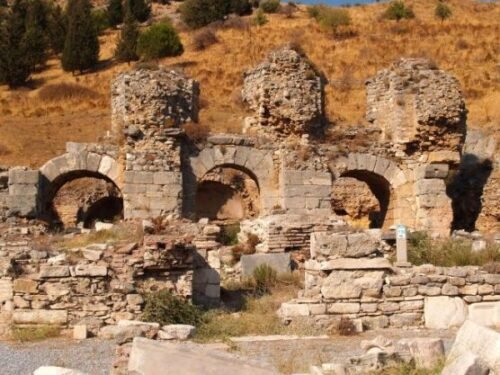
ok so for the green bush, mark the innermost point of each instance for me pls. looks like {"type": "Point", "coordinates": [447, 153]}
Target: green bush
{"type": "Point", "coordinates": [260, 18]}
{"type": "Point", "coordinates": [398, 10]}
{"type": "Point", "coordinates": [265, 278]}
{"type": "Point", "coordinates": [443, 11]}
{"type": "Point", "coordinates": [164, 308]}
{"type": "Point", "coordinates": [199, 13]}
{"type": "Point", "coordinates": [228, 235]}
{"type": "Point", "coordinates": [101, 20]}
{"type": "Point", "coordinates": [160, 40]}
{"type": "Point", "coordinates": [333, 18]}
{"type": "Point", "coordinates": [269, 6]}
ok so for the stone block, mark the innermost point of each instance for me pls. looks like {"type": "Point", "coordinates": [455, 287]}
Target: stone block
{"type": "Point", "coordinates": [324, 244]}
{"type": "Point", "coordinates": [444, 312]}
{"type": "Point", "coordinates": [149, 357]}
{"type": "Point", "coordinates": [485, 313]}
{"type": "Point", "coordinates": [80, 332]}
{"type": "Point", "coordinates": [54, 271]}
{"type": "Point", "coordinates": [206, 276]}
{"type": "Point", "coordinates": [21, 176]}
{"type": "Point", "coordinates": [40, 316]}
{"type": "Point", "coordinates": [6, 291]}
{"type": "Point", "coordinates": [176, 332]}
{"type": "Point", "coordinates": [478, 340]}
{"type": "Point", "coordinates": [23, 190]}
{"type": "Point", "coordinates": [25, 286]}
{"type": "Point", "coordinates": [134, 299]}
{"type": "Point", "coordinates": [427, 352]}
{"type": "Point", "coordinates": [212, 291]}
{"type": "Point", "coordinates": [430, 186]}
{"type": "Point", "coordinates": [406, 319]}
{"type": "Point", "coordinates": [290, 309]}
{"type": "Point", "coordinates": [467, 364]}
{"type": "Point", "coordinates": [166, 178]}
{"type": "Point", "coordinates": [89, 270]}
{"type": "Point", "coordinates": [444, 156]}
{"type": "Point", "coordinates": [355, 264]}
{"type": "Point", "coordinates": [492, 279]}
{"type": "Point", "coordinates": [343, 308]}
{"type": "Point", "coordinates": [279, 261]}
{"type": "Point", "coordinates": [360, 245]}
{"type": "Point", "coordinates": [55, 370]}
{"type": "Point", "coordinates": [436, 171]}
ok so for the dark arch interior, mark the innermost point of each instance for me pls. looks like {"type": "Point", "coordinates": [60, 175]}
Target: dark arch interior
{"type": "Point", "coordinates": [380, 187]}
{"type": "Point", "coordinates": [103, 208]}
{"type": "Point", "coordinates": [227, 192]}
{"type": "Point", "coordinates": [465, 188]}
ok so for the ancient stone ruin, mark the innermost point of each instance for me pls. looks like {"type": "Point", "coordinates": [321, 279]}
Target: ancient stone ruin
{"type": "Point", "coordinates": [290, 194]}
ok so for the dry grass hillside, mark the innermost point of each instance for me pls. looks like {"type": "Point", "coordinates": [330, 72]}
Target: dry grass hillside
{"type": "Point", "coordinates": [35, 123]}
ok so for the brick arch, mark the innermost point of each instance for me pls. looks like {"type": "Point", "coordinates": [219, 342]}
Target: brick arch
{"type": "Point", "coordinates": [255, 162]}
{"type": "Point", "coordinates": [70, 166]}
{"type": "Point", "coordinates": [378, 165]}
{"type": "Point", "coordinates": [383, 177]}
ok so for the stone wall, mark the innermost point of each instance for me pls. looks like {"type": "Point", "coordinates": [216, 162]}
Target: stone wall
{"type": "Point", "coordinates": [23, 191]}
{"type": "Point", "coordinates": [348, 276]}
{"type": "Point", "coordinates": [99, 284]}
{"type": "Point", "coordinates": [4, 191]}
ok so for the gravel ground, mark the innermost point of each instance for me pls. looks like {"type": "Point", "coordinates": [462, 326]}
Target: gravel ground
{"type": "Point", "coordinates": [91, 356]}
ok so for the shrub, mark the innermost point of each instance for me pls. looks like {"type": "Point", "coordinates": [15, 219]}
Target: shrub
{"type": "Point", "coordinates": [204, 39]}
{"type": "Point", "coordinates": [270, 6]}
{"type": "Point", "coordinates": [164, 308]}
{"type": "Point", "coordinates": [443, 11]}
{"type": "Point", "coordinates": [196, 132]}
{"type": "Point", "coordinates": [346, 327]}
{"type": "Point", "coordinates": [260, 18]}
{"type": "Point", "coordinates": [398, 10]}
{"type": "Point", "coordinates": [160, 40]}
{"type": "Point", "coordinates": [333, 19]}
{"type": "Point", "coordinates": [65, 91]}
{"type": "Point", "coordinates": [228, 235]}
{"type": "Point", "coordinates": [241, 7]}
{"type": "Point", "coordinates": [199, 13]}
{"type": "Point", "coordinates": [447, 253]}
{"type": "Point", "coordinates": [265, 278]}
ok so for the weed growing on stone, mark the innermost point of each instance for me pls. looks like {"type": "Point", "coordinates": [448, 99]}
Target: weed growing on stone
{"type": "Point", "coordinates": [34, 333]}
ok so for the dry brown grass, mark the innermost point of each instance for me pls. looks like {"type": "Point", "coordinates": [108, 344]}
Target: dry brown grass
{"type": "Point", "coordinates": [65, 92]}
{"type": "Point", "coordinates": [467, 45]}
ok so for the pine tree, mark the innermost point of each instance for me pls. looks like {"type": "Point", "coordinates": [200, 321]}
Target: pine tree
{"type": "Point", "coordinates": [15, 68]}
{"type": "Point", "coordinates": [126, 49]}
{"type": "Point", "coordinates": [115, 12]}
{"type": "Point", "coordinates": [35, 39]}
{"type": "Point", "coordinates": [81, 46]}
{"type": "Point", "coordinates": [140, 9]}
{"type": "Point", "coordinates": [57, 29]}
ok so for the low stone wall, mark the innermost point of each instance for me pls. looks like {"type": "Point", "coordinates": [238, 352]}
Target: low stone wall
{"type": "Point", "coordinates": [349, 277]}
{"type": "Point", "coordinates": [99, 284]}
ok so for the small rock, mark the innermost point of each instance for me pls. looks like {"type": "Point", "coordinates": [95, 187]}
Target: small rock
{"type": "Point", "coordinates": [176, 332]}
{"type": "Point", "coordinates": [80, 332]}
{"type": "Point", "coordinates": [103, 226]}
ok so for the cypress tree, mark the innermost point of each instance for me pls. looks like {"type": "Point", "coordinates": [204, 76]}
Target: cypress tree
{"type": "Point", "coordinates": [15, 67]}
{"type": "Point", "coordinates": [81, 46]}
{"type": "Point", "coordinates": [35, 40]}
{"type": "Point", "coordinates": [140, 9]}
{"type": "Point", "coordinates": [115, 12]}
{"type": "Point", "coordinates": [126, 49]}
{"type": "Point", "coordinates": [57, 29]}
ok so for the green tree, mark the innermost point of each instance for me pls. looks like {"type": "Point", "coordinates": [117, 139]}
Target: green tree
{"type": "Point", "coordinates": [57, 28]}
{"type": "Point", "coordinates": [115, 12]}
{"type": "Point", "coordinates": [443, 11]}
{"type": "Point", "coordinates": [260, 18]}
{"type": "Point", "coordinates": [126, 48]}
{"type": "Point", "coordinates": [199, 13]}
{"type": "Point", "coordinates": [140, 9]}
{"type": "Point", "coordinates": [269, 6]}
{"type": "Point", "coordinates": [241, 7]}
{"type": "Point", "coordinates": [333, 18]}
{"type": "Point", "coordinates": [81, 46]}
{"type": "Point", "coordinates": [22, 42]}
{"type": "Point", "coordinates": [398, 10]}
{"type": "Point", "coordinates": [160, 40]}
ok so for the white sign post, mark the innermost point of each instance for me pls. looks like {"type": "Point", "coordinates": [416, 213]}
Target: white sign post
{"type": "Point", "coordinates": [401, 246]}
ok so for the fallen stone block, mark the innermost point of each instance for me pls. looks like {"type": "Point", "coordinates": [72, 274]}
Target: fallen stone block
{"type": "Point", "coordinates": [467, 364]}
{"type": "Point", "coordinates": [485, 313]}
{"type": "Point", "coordinates": [280, 262]}
{"type": "Point", "coordinates": [444, 312]}
{"type": "Point", "coordinates": [54, 370]}
{"type": "Point", "coordinates": [481, 341]}
{"type": "Point", "coordinates": [149, 357]}
{"type": "Point", "coordinates": [80, 332]}
{"type": "Point", "coordinates": [40, 316]}
{"type": "Point", "coordinates": [427, 352]}
{"type": "Point", "coordinates": [176, 332]}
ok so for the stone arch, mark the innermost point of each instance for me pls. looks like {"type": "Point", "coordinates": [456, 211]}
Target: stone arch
{"type": "Point", "coordinates": [73, 166]}
{"type": "Point", "coordinates": [383, 178]}
{"type": "Point", "coordinates": [256, 163]}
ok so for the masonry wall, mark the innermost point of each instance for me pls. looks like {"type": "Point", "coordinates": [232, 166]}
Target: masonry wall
{"type": "Point", "coordinates": [349, 277]}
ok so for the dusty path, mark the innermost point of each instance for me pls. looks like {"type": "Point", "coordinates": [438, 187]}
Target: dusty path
{"type": "Point", "coordinates": [91, 356]}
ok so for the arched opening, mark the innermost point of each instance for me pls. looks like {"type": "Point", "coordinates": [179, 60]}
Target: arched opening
{"type": "Point", "coordinates": [465, 188]}
{"type": "Point", "coordinates": [363, 197]}
{"type": "Point", "coordinates": [227, 193]}
{"type": "Point", "coordinates": [82, 198]}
